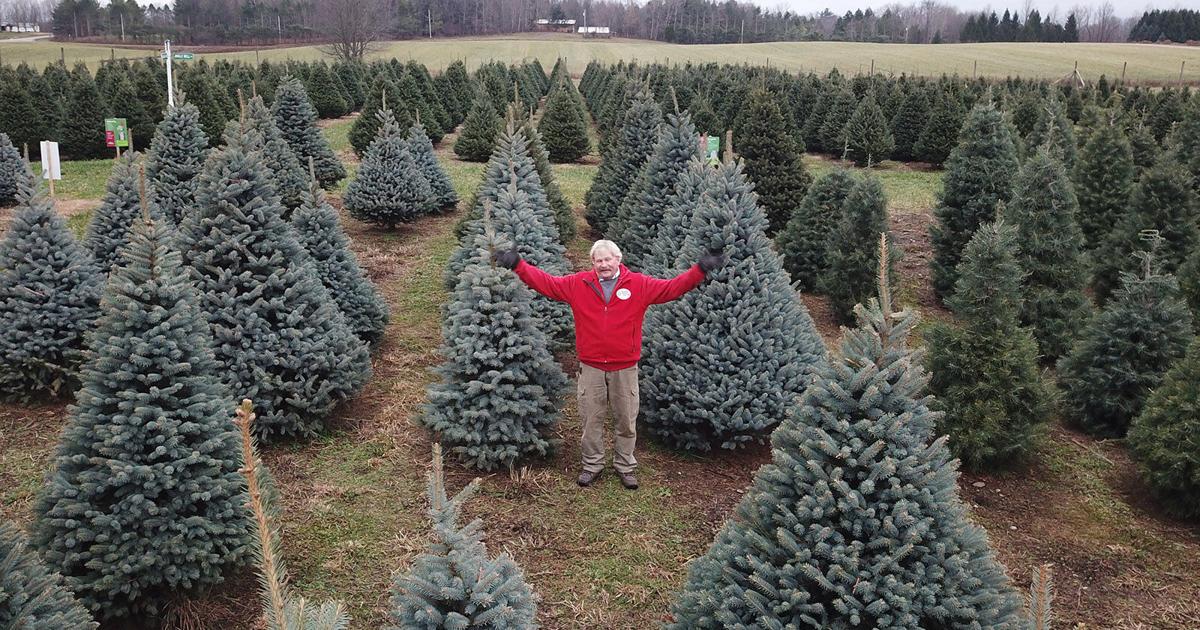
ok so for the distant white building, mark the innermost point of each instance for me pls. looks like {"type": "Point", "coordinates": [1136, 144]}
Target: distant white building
{"type": "Point", "coordinates": [561, 26]}
{"type": "Point", "coordinates": [595, 31]}
{"type": "Point", "coordinates": [20, 27]}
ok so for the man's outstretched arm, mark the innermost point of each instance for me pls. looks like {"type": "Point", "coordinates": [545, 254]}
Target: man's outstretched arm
{"type": "Point", "coordinates": [666, 290]}
{"type": "Point", "coordinates": [553, 287]}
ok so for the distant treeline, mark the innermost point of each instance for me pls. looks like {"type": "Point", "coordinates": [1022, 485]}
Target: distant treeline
{"type": "Point", "coordinates": [1175, 25]}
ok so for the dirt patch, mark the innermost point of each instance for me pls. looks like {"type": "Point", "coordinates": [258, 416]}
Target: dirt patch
{"type": "Point", "coordinates": [66, 208]}
{"type": "Point", "coordinates": [911, 234]}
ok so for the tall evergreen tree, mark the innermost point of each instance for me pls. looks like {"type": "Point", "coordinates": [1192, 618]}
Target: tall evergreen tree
{"type": "Point", "coordinates": [323, 92]}
{"type": "Point", "coordinates": [363, 131]}
{"type": "Point", "coordinates": [279, 337]}
{"type": "Point", "coordinates": [284, 167]}
{"type": "Point", "coordinates": [1055, 131]}
{"type": "Point", "coordinates": [750, 344]}
{"type": "Point", "coordinates": [20, 119]}
{"type": "Point", "coordinates": [851, 257]}
{"type": "Point", "coordinates": [1125, 352]}
{"type": "Point", "coordinates": [390, 187]}
{"type": "Point", "coordinates": [500, 390]}
{"type": "Point", "coordinates": [771, 158]}
{"type": "Point", "coordinates": [454, 584]}
{"type": "Point", "coordinates": [979, 174]}
{"type": "Point", "coordinates": [49, 295]}
{"type": "Point", "coordinates": [630, 148]}
{"type": "Point", "coordinates": [985, 375]}
{"type": "Point", "coordinates": [317, 226]}
{"type": "Point", "coordinates": [297, 122]}
{"type": "Point", "coordinates": [441, 189]}
{"type": "Point", "coordinates": [1104, 177]}
{"type": "Point", "coordinates": [909, 122]}
{"type": "Point", "coordinates": [124, 102]}
{"type": "Point", "coordinates": [149, 457]}
{"type": "Point", "coordinates": [478, 136]}
{"type": "Point", "coordinates": [636, 225]}
{"type": "Point", "coordinates": [1162, 200]}
{"type": "Point", "coordinates": [1051, 254]}
{"type": "Point", "coordinates": [423, 107]}
{"type": "Point", "coordinates": [14, 172]}
{"type": "Point", "coordinates": [564, 216]}
{"type": "Point", "coordinates": [108, 230]}
{"type": "Point", "coordinates": [1165, 438]}
{"type": "Point", "coordinates": [867, 136]}
{"type": "Point", "coordinates": [82, 129]}
{"type": "Point", "coordinates": [31, 596]}
{"type": "Point", "coordinates": [564, 125]}
{"type": "Point", "coordinates": [458, 83]}
{"type": "Point", "coordinates": [942, 131]}
{"type": "Point", "coordinates": [676, 222]}
{"type": "Point", "coordinates": [841, 108]}
{"type": "Point", "coordinates": [176, 156]}
{"type": "Point", "coordinates": [804, 242]}
{"type": "Point", "coordinates": [856, 521]}
{"type": "Point", "coordinates": [1184, 143]}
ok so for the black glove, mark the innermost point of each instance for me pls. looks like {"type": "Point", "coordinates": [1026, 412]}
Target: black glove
{"type": "Point", "coordinates": [713, 260]}
{"type": "Point", "coordinates": [507, 258]}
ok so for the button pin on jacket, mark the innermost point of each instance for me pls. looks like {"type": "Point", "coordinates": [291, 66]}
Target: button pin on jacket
{"type": "Point", "coordinates": [623, 294]}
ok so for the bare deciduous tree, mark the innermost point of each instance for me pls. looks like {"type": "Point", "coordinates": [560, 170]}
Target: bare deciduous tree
{"type": "Point", "coordinates": [355, 26]}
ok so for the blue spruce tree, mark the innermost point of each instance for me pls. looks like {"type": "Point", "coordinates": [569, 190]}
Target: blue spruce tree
{"type": "Point", "coordinates": [317, 226]}
{"type": "Point", "coordinates": [297, 122]}
{"type": "Point", "coordinates": [856, 521]}
{"type": "Point", "coordinates": [176, 155]}
{"type": "Point", "coordinates": [676, 220]}
{"type": "Point", "coordinates": [288, 175]}
{"type": "Point", "coordinates": [454, 584]}
{"type": "Point", "coordinates": [724, 362]}
{"type": "Point", "coordinates": [390, 187]}
{"type": "Point", "coordinates": [631, 146]}
{"type": "Point", "coordinates": [145, 498]}
{"type": "Point", "coordinates": [14, 172]}
{"type": "Point", "coordinates": [440, 187]}
{"type": "Point", "coordinates": [49, 296]}
{"type": "Point", "coordinates": [32, 597]}
{"type": "Point", "coordinates": [108, 229]}
{"type": "Point", "coordinates": [279, 336]}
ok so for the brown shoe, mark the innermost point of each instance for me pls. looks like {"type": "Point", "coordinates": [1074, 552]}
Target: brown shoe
{"type": "Point", "coordinates": [586, 478]}
{"type": "Point", "coordinates": [628, 480]}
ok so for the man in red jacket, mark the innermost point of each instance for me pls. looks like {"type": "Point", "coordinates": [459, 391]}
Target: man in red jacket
{"type": "Point", "coordinates": [609, 304]}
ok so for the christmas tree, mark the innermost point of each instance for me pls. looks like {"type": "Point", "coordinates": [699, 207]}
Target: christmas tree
{"type": "Point", "coordinates": [363, 131]}
{"type": "Point", "coordinates": [145, 498]}
{"type": "Point", "coordinates": [564, 125]}
{"type": "Point", "coordinates": [124, 102]}
{"type": "Point", "coordinates": [176, 156]}
{"type": "Point", "coordinates": [1164, 436]}
{"type": "Point", "coordinates": [454, 584]}
{"type": "Point", "coordinates": [323, 92]}
{"type": "Point", "coordinates": [804, 242]}
{"type": "Point", "coordinates": [1162, 200]}
{"type": "Point", "coordinates": [636, 224]}
{"type": "Point", "coordinates": [985, 369]}
{"type": "Point", "coordinates": [909, 122]}
{"type": "Point", "coordinates": [942, 131]}
{"type": "Point", "coordinates": [856, 521]}
{"type": "Point", "coordinates": [297, 122]}
{"type": "Point", "coordinates": [771, 158]}
{"type": "Point", "coordinates": [390, 186]}
{"type": "Point", "coordinates": [631, 147]}
{"type": "Point", "coordinates": [108, 230]}
{"type": "Point", "coordinates": [316, 224]}
{"type": "Point", "coordinates": [676, 222]}
{"type": "Point", "coordinates": [457, 89]}
{"type": "Point", "coordinates": [564, 216]}
{"type": "Point", "coordinates": [724, 363]}
{"type": "Point", "coordinates": [287, 173]}
{"type": "Point", "coordinates": [500, 389]}
{"type": "Point", "coordinates": [1124, 353]}
{"type": "Point", "coordinates": [1104, 177]}
{"type": "Point", "coordinates": [478, 136]}
{"type": "Point", "coordinates": [83, 123]}
{"type": "Point", "coordinates": [1055, 131]}
{"type": "Point", "coordinates": [867, 135]}
{"type": "Point", "coordinates": [279, 336]}
{"type": "Point", "coordinates": [31, 596]}
{"type": "Point", "coordinates": [49, 295]}
{"type": "Point", "coordinates": [851, 255]}
{"type": "Point", "coordinates": [21, 120]}
{"type": "Point", "coordinates": [441, 189]}
{"type": "Point", "coordinates": [1184, 143]}
{"type": "Point", "coordinates": [14, 172]}
{"type": "Point", "coordinates": [1042, 210]}
{"type": "Point", "coordinates": [979, 174]}
{"type": "Point", "coordinates": [841, 108]}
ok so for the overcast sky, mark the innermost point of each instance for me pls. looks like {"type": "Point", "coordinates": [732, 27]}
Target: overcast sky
{"type": "Point", "coordinates": [1124, 8]}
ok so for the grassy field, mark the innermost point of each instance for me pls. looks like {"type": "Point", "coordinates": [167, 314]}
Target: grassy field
{"type": "Point", "coordinates": [354, 506]}
{"type": "Point", "coordinates": [1149, 62]}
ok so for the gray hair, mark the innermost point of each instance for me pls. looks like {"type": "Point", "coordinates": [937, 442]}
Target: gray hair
{"type": "Point", "coordinates": [605, 244]}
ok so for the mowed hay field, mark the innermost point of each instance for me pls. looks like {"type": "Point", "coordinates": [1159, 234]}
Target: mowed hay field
{"type": "Point", "coordinates": [1146, 62]}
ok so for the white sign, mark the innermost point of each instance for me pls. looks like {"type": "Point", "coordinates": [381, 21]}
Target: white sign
{"type": "Point", "coordinates": [51, 167]}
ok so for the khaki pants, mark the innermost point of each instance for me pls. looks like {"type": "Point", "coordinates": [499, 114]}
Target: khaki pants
{"type": "Point", "coordinates": [599, 390]}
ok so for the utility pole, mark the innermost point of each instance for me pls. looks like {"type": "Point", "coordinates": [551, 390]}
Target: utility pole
{"type": "Point", "coordinates": [742, 37]}
{"type": "Point", "coordinates": [122, 26]}
{"type": "Point", "coordinates": [430, 14]}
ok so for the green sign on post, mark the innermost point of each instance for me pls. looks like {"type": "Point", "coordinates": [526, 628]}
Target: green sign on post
{"type": "Point", "coordinates": [184, 56]}
{"type": "Point", "coordinates": [712, 150]}
{"type": "Point", "coordinates": [116, 132]}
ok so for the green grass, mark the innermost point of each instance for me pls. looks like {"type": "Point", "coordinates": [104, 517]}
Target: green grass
{"type": "Point", "coordinates": [338, 134]}
{"type": "Point", "coordinates": [908, 191]}
{"type": "Point", "coordinates": [81, 179]}
{"type": "Point", "coordinates": [1051, 61]}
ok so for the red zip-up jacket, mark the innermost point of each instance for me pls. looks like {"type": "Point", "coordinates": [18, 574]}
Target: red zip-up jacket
{"type": "Point", "coordinates": [608, 336]}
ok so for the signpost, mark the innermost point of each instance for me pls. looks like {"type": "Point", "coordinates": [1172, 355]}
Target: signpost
{"type": "Point", "coordinates": [51, 167]}
{"type": "Point", "coordinates": [711, 146]}
{"type": "Point", "coordinates": [169, 58]}
{"type": "Point", "coordinates": [116, 134]}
